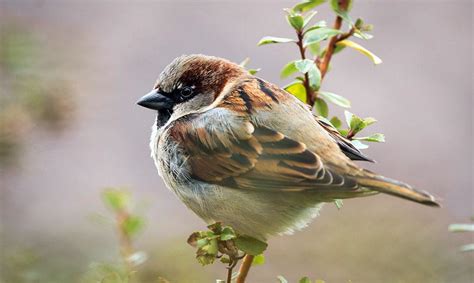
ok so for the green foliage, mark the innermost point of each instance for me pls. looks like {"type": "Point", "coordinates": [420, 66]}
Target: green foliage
{"type": "Point", "coordinates": [307, 72]}
{"type": "Point", "coordinates": [128, 225]}
{"type": "Point", "coordinates": [116, 199]}
{"type": "Point", "coordinates": [222, 242]}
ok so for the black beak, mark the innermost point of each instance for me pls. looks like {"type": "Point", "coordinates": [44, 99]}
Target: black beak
{"type": "Point", "coordinates": [156, 101]}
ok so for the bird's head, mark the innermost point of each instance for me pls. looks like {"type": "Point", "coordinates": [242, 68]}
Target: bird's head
{"type": "Point", "coordinates": [189, 84]}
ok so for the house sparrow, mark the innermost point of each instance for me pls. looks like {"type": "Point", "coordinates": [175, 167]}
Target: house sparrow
{"type": "Point", "coordinates": [239, 150]}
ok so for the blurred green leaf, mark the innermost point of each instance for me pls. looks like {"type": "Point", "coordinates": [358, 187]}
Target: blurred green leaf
{"type": "Point", "coordinates": [362, 35]}
{"type": "Point", "coordinates": [361, 49]}
{"type": "Point", "coordinates": [338, 203]}
{"type": "Point", "coordinates": [308, 18]}
{"type": "Point", "coordinates": [461, 228]}
{"type": "Point", "coordinates": [319, 34]}
{"type": "Point", "coordinates": [137, 258]}
{"type": "Point", "coordinates": [117, 199]}
{"type": "Point", "coordinates": [315, 49]}
{"type": "Point", "coordinates": [282, 279]}
{"type": "Point", "coordinates": [314, 76]}
{"type": "Point", "coordinates": [335, 98]}
{"type": "Point", "coordinates": [258, 260]}
{"type": "Point", "coordinates": [132, 225]}
{"type": "Point", "coordinates": [272, 39]}
{"type": "Point", "coordinates": [227, 234]}
{"type": "Point", "coordinates": [369, 121]}
{"type": "Point", "coordinates": [307, 5]}
{"type": "Point", "coordinates": [112, 278]}
{"type": "Point", "coordinates": [321, 107]}
{"type": "Point", "coordinates": [295, 20]}
{"type": "Point", "coordinates": [304, 280]}
{"type": "Point", "coordinates": [304, 65]}
{"type": "Point", "coordinates": [357, 124]}
{"type": "Point", "coordinates": [341, 12]}
{"type": "Point", "coordinates": [250, 245]}
{"type": "Point", "coordinates": [297, 89]}
{"type": "Point", "coordinates": [336, 122]}
{"type": "Point", "coordinates": [245, 62]}
{"type": "Point", "coordinates": [467, 248]}
{"type": "Point", "coordinates": [253, 71]}
{"type": "Point", "coordinates": [359, 144]}
{"type": "Point", "coordinates": [288, 70]}
{"type": "Point", "coordinates": [320, 24]}
{"type": "Point", "coordinates": [372, 138]}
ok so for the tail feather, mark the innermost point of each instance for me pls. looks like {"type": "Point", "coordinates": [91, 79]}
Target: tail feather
{"type": "Point", "coordinates": [396, 188]}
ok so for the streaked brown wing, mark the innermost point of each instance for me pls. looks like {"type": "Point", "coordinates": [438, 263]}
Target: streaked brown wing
{"type": "Point", "coordinates": [258, 158]}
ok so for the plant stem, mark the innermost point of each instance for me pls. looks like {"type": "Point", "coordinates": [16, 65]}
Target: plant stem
{"type": "Point", "coordinates": [310, 94]}
{"type": "Point", "coordinates": [324, 62]}
{"type": "Point", "coordinates": [125, 242]}
{"type": "Point", "coordinates": [244, 268]}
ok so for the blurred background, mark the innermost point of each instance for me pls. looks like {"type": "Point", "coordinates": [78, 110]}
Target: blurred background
{"type": "Point", "coordinates": [71, 71]}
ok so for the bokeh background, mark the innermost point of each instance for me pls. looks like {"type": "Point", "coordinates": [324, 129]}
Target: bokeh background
{"type": "Point", "coordinates": [71, 71]}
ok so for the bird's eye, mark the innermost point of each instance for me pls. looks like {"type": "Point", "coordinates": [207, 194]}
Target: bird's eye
{"type": "Point", "coordinates": [186, 92]}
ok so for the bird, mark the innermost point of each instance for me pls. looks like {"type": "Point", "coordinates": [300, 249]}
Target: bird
{"type": "Point", "coordinates": [239, 150]}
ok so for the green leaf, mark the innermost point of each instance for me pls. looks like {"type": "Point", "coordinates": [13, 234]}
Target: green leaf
{"type": "Point", "coordinates": [288, 70]}
{"type": "Point", "coordinates": [362, 35]}
{"type": "Point", "coordinates": [202, 242]}
{"type": "Point", "coordinates": [467, 248]}
{"type": "Point", "coordinates": [297, 89]}
{"type": "Point", "coordinates": [132, 225]}
{"type": "Point", "coordinates": [320, 24]}
{"type": "Point", "coordinates": [307, 5]}
{"type": "Point", "coordinates": [308, 18]}
{"type": "Point", "coordinates": [314, 76]}
{"type": "Point", "coordinates": [336, 122]}
{"type": "Point", "coordinates": [304, 65]}
{"type": "Point", "coordinates": [361, 49]}
{"type": "Point", "coordinates": [335, 98]}
{"type": "Point", "coordinates": [282, 279]}
{"type": "Point", "coordinates": [341, 11]}
{"type": "Point", "coordinates": [322, 107]}
{"type": "Point", "coordinates": [258, 260]}
{"type": "Point", "coordinates": [295, 20]}
{"type": "Point", "coordinates": [253, 71]}
{"type": "Point", "coordinates": [117, 199]}
{"type": "Point", "coordinates": [348, 115]}
{"type": "Point", "coordinates": [250, 245]}
{"type": "Point", "coordinates": [212, 247]}
{"type": "Point", "coordinates": [315, 49]}
{"type": "Point", "coordinates": [338, 203]}
{"type": "Point", "coordinates": [461, 228]}
{"type": "Point", "coordinates": [308, 66]}
{"type": "Point", "coordinates": [205, 259]}
{"type": "Point", "coordinates": [304, 280]}
{"type": "Point", "coordinates": [227, 234]}
{"type": "Point", "coordinates": [319, 34]}
{"type": "Point", "coordinates": [369, 121]}
{"type": "Point", "coordinates": [273, 39]}
{"type": "Point", "coordinates": [372, 138]}
{"type": "Point", "coordinates": [359, 144]}
{"type": "Point", "coordinates": [244, 62]}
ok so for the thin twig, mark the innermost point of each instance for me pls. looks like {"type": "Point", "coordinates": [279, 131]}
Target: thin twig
{"type": "Point", "coordinates": [323, 63]}
{"type": "Point", "coordinates": [244, 268]}
{"type": "Point", "coordinates": [310, 94]}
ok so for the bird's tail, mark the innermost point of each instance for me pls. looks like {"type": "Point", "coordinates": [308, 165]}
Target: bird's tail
{"type": "Point", "coordinates": [396, 188]}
